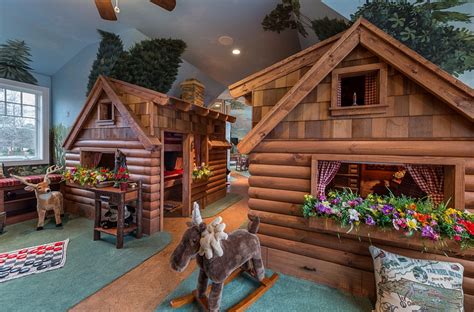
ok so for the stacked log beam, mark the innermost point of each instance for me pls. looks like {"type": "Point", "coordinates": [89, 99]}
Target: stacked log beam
{"type": "Point", "coordinates": [143, 166]}
{"type": "Point", "coordinates": [281, 176]}
{"type": "Point", "coordinates": [216, 186]}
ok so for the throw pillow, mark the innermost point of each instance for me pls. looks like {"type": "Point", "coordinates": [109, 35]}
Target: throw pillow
{"type": "Point", "coordinates": [407, 284]}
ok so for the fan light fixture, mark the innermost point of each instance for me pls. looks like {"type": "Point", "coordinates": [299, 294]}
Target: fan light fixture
{"type": "Point", "coordinates": [236, 51]}
{"type": "Point", "coordinates": [116, 8]}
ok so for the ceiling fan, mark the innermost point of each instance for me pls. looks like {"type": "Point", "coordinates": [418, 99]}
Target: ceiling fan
{"type": "Point", "coordinates": [107, 10]}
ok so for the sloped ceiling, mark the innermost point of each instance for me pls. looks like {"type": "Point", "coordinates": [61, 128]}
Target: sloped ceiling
{"type": "Point", "coordinates": [56, 30]}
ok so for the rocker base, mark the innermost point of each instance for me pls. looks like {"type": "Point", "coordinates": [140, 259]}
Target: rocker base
{"type": "Point", "coordinates": [265, 285]}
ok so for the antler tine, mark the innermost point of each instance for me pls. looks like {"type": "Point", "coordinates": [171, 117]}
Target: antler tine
{"type": "Point", "coordinates": [50, 170]}
{"type": "Point", "coordinates": [23, 180]}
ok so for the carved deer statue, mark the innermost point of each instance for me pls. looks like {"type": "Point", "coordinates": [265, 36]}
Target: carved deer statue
{"type": "Point", "coordinates": [46, 199]}
{"type": "Point", "coordinates": [217, 254]}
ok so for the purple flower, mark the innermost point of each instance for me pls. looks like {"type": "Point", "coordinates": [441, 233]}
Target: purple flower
{"type": "Point", "coordinates": [428, 232]}
{"type": "Point", "coordinates": [433, 223]}
{"type": "Point", "coordinates": [387, 209]}
{"type": "Point", "coordinates": [336, 201]}
{"type": "Point", "coordinates": [323, 209]}
{"type": "Point", "coordinates": [369, 220]}
{"type": "Point", "coordinates": [322, 197]}
{"type": "Point", "coordinates": [353, 215]}
{"type": "Point", "coordinates": [396, 215]}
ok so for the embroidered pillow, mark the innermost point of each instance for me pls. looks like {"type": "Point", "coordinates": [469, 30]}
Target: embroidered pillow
{"type": "Point", "coordinates": [407, 284]}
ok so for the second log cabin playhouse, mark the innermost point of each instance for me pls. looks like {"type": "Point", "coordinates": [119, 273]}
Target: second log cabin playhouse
{"type": "Point", "coordinates": [161, 136]}
{"type": "Point", "coordinates": [349, 112]}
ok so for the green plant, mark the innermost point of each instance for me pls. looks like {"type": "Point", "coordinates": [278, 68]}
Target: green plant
{"type": "Point", "coordinates": [58, 135]}
{"type": "Point", "coordinates": [152, 64]}
{"type": "Point", "coordinates": [14, 62]}
{"type": "Point", "coordinates": [201, 173]}
{"type": "Point", "coordinates": [109, 53]}
{"type": "Point", "coordinates": [86, 176]}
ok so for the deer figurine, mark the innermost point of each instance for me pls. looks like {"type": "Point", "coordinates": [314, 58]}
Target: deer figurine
{"type": "Point", "coordinates": [46, 199]}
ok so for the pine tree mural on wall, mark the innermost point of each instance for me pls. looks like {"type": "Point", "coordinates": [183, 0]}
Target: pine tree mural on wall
{"type": "Point", "coordinates": [14, 62]}
{"type": "Point", "coordinates": [109, 53]}
{"type": "Point", "coordinates": [152, 64]}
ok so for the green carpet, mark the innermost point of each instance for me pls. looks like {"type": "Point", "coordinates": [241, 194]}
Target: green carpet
{"type": "Point", "coordinates": [90, 265]}
{"type": "Point", "coordinates": [288, 294]}
{"type": "Point", "coordinates": [220, 205]}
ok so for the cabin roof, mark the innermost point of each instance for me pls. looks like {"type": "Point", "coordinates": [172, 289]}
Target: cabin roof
{"type": "Point", "coordinates": [113, 87]}
{"type": "Point", "coordinates": [449, 89]}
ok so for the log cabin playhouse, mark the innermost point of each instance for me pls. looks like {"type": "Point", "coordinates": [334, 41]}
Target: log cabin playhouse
{"type": "Point", "coordinates": [161, 136]}
{"type": "Point", "coordinates": [408, 112]}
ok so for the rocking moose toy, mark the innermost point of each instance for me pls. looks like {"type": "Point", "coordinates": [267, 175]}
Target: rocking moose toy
{"type": "Point", "coordinates": [46, 199]}
{"type": "Point", "coordinates": [220, 258]}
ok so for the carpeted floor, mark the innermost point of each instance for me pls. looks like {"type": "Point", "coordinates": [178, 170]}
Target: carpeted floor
{"type": "Point", "coordinates": [90, 265]}
{"type": "Point", "coordinates": [288, 294]}
{"type": "Point", "coordinates": [220, 205]}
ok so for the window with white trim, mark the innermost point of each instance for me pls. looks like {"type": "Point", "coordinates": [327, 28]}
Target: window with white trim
{"type": "Point", "coordinates": [24, 123]}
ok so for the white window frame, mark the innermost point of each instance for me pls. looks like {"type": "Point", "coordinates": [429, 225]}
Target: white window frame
{"type": "Point", "coordinates": [43, 114]}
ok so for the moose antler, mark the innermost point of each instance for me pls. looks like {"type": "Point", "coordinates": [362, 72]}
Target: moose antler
{"type": "Point", "coordinates": [23, 180]}
{"type": "Point", "coordinates": [50, 170]}
{"type": "Point", "coordinates": [196, 216]}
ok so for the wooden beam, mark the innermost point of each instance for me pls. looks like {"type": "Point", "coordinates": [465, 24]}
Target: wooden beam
{"type": "Point", "coordinates": [339, 50]}
{"type": "Point", "coordinates": [304, 58]}
{"type": "Point", "coordinates": [213, 114]}
{"type": "Point", "coordinates": [434, 79]}
{"type": "Point", "coordinates": [94, 95]}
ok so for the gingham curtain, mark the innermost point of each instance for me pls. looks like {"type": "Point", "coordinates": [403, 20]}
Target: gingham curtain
{"type": "Point", "coordinates": [371, 89]}
{"type": "Point", "coordinates": [430, 179]}
{"type": "Point", "coordinates": [327, 170]}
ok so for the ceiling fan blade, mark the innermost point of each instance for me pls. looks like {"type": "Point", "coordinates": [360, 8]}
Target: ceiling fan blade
{"type": "Point", "coordinates": [106, 10]}
{"type": "Point", "coordinates": [165, 4]}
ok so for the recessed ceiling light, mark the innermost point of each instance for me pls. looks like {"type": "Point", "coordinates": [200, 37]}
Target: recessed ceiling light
{"type": "Point", "coordinates": [225, 40]}
{"type": "Point", "coordinates": [236, 51]}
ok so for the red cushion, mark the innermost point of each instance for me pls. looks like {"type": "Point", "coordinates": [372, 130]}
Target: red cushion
{"type": "Point", "coordinates": [31, 179]}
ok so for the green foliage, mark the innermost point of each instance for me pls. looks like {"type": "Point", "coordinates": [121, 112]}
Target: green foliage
{"type": "Point", "coordinates": [424, 27]}
{"type": "Point", "coordinates": [152, 64]}
{"type": "Point", "coordinates": [14, 62]}
{"type": "Point", "coordinates": [109, 53]}
{"type": "Point", "coordinates": [237, 105]}
{"type": "Point", "coordinates": [328, 27]}
{"type": "Point", "coordinates": [201, 173]}
{"type": "Point", "coordinates": [58, 135]}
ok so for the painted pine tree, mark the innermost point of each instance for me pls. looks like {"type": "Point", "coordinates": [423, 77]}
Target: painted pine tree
{"type": "Point", "coordinates": [14, 62]}
{"type": "Point", "coordinates": [109, 53]}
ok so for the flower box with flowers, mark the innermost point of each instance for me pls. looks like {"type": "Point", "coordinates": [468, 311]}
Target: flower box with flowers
{"type": "Point", "coordinates": [413, 223]}
{"type": "Point", "coordinates": [96, 177]}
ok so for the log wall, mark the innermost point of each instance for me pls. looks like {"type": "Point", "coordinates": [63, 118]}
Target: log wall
{"type": "Point", "coordinates": [415, 124]}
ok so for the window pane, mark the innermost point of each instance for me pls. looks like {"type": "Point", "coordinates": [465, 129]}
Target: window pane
{"type": "Point", "coordinates": [2, 94]}
{"type": "Point", "coordinates": [21, 141]}
{"type": "Point", "coordinates": [29, 111]}
{"type": "Point", "coordinates": [13, 96]}
{"type": "Point", "coordinates": [29, 98]}
{"type": "Point", "coordinates": [13, 109]}
{"type": "Point", "coordinates": [2, 108]}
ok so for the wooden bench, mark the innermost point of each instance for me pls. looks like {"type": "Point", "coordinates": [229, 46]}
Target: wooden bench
{"type": "Point", "coordinates": [19, 204]}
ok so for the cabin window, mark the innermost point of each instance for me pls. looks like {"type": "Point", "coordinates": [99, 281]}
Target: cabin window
{"type": "Point", "coordinates": [98, 159]}
{"type": "Point", "coordinates": [364, 177]}
{"type": "Point", "coordinates": [105, 112]}
{"type": "Point", "coordinates": [359, 90]}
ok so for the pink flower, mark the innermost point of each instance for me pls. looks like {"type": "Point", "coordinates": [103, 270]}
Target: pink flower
{"type": "Point", "coordinates": [457, 238]}
{"type": "Point", "coordinates": [458, 229]}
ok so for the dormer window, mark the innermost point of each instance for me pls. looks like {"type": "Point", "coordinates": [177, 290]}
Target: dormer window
{"type": "Point", "coordinates": [105, 113]}
{"type": "Point", "coordinates": [359, 90]}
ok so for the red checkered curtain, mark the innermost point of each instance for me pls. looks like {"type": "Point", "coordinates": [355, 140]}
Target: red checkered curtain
{"type": "Point", "coordinates": [327, 170]}
{"type": "Point", "coordinates": [371, 89]}
{"type": "Point", "coordinates": [339, 92]}
{"type": "Point", "coordinates": [430, 179]}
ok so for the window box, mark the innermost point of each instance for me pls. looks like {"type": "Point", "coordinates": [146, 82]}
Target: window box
{"type": "Point", "coordinates": [359, 90]}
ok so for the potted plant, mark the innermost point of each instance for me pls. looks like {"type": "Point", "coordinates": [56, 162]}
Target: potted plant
{"type": "Point", "coordinates": [201, 173]}
{"type": "Point", "coordinates": [121, 178]}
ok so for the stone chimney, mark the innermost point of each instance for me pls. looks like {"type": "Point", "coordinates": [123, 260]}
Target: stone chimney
{"type": "Point", "coordinates": [192, 90]}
